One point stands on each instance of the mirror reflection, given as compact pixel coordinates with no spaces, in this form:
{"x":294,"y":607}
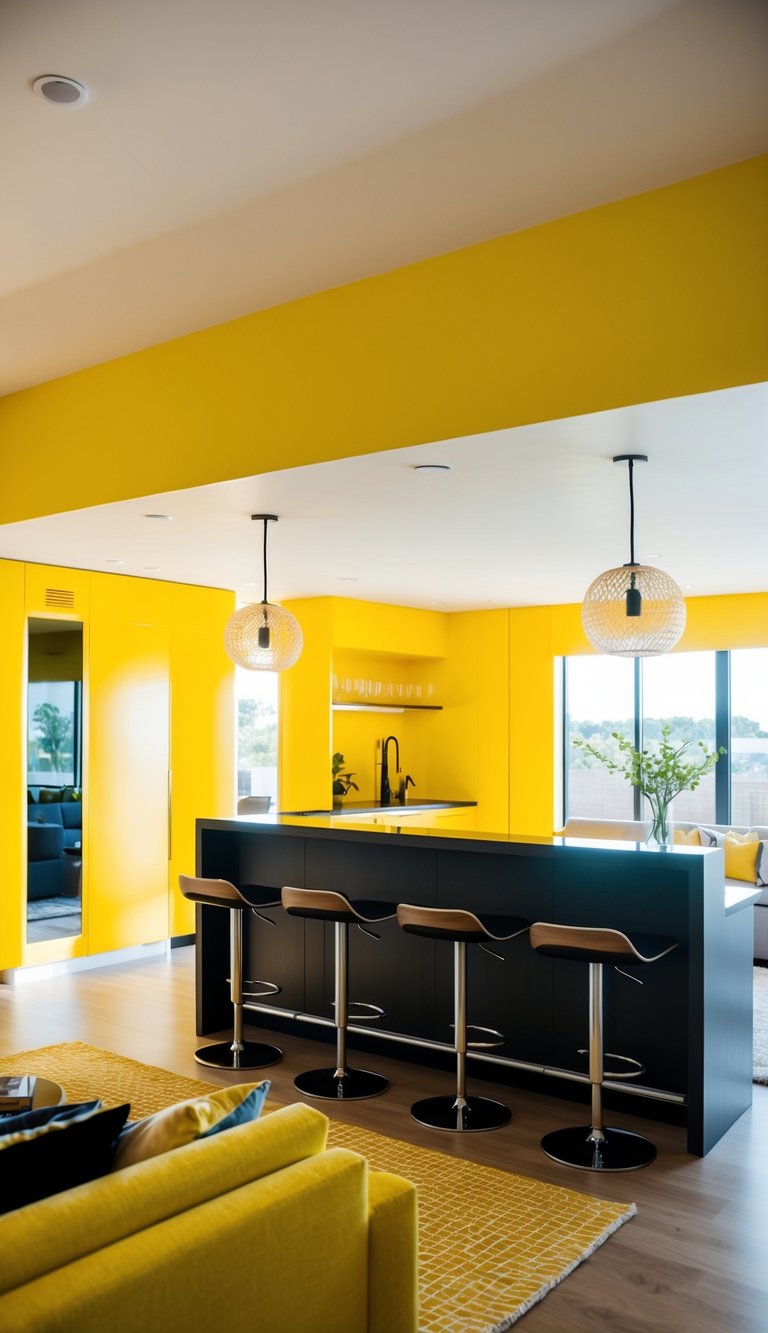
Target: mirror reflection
{"x":54,"y":779}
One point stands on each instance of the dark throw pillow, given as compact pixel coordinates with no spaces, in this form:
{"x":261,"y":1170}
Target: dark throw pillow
{"x":64,"y":1151}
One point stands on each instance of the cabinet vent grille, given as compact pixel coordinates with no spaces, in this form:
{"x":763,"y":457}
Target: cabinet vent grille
{"x":64,"y":598}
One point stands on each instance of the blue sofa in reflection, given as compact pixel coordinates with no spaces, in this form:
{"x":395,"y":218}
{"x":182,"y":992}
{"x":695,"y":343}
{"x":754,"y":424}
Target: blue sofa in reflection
{"x":52,"y":826}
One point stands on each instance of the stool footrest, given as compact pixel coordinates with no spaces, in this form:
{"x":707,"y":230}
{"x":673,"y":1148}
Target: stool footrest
{"x":268,"y":988}
{"x":635,"y":1072}
{"x":360,"y":1012}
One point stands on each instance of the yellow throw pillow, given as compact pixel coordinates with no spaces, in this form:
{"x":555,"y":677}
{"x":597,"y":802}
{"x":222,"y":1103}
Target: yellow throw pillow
{"x":740,"y":858}
{"x":187,"y":1121}
{"x":690,"y":839}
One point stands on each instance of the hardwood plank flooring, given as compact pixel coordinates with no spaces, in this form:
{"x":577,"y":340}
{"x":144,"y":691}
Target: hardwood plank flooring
{"x":694,"y":1258}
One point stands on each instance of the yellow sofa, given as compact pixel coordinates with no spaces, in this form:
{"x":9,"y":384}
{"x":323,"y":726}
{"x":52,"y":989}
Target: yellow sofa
{"x":261,"y":1228}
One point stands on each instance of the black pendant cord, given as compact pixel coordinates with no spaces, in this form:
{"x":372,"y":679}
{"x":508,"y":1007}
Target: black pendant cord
{"x":266,"y":524}
{"x":632,"y":560}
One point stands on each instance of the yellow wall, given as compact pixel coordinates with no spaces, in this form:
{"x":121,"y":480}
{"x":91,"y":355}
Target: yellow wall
{"x":155,"y":676}
{"x":654,"y":296}
{"x":496,"y":738}
{"x":202,"y":731}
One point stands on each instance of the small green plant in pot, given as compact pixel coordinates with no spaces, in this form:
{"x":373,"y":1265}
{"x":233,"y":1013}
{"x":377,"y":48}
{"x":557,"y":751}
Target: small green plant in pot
{"x":342,"y":781}
{"x":660,"y":774}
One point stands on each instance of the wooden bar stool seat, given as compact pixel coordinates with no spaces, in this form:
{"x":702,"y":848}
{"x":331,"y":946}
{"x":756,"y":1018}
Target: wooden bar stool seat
{"x":599,"y":1147}
{"x":457,"y":1111}
{"x":342,"y":1082}
{"x":239,"y":1054}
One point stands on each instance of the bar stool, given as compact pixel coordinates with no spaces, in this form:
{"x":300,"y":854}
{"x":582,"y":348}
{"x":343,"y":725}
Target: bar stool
{"x":239,"y":1054}
{"x":599,"y":1147}
{"x":342,"y":1082}
{"x":458,"y":1112}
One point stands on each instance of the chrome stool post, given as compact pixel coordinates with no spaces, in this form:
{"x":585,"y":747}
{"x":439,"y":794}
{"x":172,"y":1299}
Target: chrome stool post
{"x":239,"y":1053}
{"x":460,"y":1112}
{"x":343,"y":1082}
{"x":598,"y":1147}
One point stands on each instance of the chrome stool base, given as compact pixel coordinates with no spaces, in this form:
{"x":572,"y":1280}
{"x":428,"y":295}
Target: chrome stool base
{"x":254,"y":1055}
{"x":473,"y":1116}
{"x":352,"y":1085}
{"x":619,"y":1151}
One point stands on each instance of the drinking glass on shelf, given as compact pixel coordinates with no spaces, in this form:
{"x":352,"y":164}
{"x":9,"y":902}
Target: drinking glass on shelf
{"x":335,"y":696}
{"x":359,"y":689}
{"x":346,"y":688}
{"x":417,"y":691}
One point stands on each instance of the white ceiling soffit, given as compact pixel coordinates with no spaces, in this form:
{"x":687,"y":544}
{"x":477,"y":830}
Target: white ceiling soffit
{"x":527,"y":516}
{"x":233,"y":156}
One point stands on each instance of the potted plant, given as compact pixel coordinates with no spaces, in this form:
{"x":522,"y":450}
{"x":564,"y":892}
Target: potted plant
{"x":660,"y":774}
{"x":342,"y":781}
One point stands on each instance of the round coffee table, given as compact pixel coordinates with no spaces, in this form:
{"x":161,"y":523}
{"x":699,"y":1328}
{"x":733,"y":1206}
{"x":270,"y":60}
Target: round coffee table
{"x":46,"y":1093}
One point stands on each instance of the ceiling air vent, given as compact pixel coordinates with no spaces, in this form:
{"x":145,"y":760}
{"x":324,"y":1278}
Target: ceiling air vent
{"x":62,"y":598}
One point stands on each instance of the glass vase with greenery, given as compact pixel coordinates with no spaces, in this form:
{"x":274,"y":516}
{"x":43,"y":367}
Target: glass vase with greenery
{"x":660,"y":774}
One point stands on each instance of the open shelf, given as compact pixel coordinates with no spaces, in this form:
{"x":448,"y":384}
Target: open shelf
{"x":387,"y":708}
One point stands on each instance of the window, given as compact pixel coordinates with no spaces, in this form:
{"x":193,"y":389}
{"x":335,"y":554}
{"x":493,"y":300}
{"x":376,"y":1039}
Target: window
{"x":256,"y":694}
{"x":679,"y":689}
{"x":600,"y":695}
{"x":720,"y":698}
{"x":749,"y":736}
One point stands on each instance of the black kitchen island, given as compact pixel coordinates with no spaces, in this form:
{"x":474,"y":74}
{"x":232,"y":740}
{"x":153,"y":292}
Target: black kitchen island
{"x":689,"y":1024}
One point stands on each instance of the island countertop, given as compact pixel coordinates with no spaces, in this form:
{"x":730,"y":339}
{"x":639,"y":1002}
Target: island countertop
{"x":689,"y":1024}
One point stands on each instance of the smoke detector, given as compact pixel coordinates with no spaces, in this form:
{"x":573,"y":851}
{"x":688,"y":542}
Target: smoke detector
{"x":61,"y":90}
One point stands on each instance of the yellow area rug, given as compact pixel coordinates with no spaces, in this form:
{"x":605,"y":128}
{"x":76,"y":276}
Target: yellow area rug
{"x":492,"y":1244}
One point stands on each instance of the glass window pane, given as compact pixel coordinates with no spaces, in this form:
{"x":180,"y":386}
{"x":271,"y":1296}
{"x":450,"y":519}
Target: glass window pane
{"x":256,"y":693}
{"x":679,"y":688}
{"x":51,"y":732}
{"x":600,"y":700}
{"x":749,"y":736}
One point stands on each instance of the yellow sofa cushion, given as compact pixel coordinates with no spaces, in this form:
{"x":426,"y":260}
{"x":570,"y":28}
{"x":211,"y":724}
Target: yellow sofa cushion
{"x":740,"y":858}
{"x":691,"y":839}
{"x":186,"y":1121}
{"x":59,"y":1230}
{"x":286,"y":1252}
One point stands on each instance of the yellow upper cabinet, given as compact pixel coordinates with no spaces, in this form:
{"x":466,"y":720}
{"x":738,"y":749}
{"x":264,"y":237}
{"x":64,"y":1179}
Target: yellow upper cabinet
{"x":129,"y":762}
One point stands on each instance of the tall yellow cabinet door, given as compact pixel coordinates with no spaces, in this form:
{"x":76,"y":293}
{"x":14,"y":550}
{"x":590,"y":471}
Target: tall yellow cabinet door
{"x":13,"y":806}
{"x":129,"y":762}
{"x":202,"y":730}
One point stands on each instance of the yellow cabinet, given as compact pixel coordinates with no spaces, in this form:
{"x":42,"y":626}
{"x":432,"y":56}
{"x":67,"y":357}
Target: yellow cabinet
{"x":13,"y":807}
{"x":202,"y":731}
{"x":128,"y":777}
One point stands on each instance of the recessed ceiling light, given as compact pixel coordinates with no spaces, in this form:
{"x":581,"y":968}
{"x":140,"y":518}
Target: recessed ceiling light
{"x":432,"y":467}
{"x":348,"y":579}
{"x":113,"y":562}
{"x":168,"y":518}
{"x":151,"y":569}
{"x":61,"y":90}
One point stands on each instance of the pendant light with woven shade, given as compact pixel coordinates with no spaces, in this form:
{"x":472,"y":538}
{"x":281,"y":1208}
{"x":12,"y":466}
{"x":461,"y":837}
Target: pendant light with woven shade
{"x":634,"y":610}
{"x":261,"y":636}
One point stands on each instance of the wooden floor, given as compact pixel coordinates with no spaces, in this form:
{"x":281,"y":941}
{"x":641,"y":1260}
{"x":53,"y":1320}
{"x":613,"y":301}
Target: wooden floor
{"x":694,"y":1258}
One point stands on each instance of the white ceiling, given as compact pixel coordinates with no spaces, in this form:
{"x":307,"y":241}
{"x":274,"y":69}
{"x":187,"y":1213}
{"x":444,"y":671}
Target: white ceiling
{"x":525,"y":517}
{"x":239,"y":153}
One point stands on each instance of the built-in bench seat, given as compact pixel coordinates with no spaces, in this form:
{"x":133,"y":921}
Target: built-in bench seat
{"x":637,"y":831}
